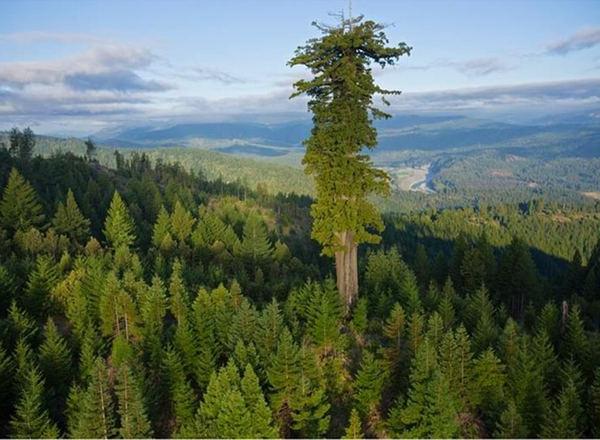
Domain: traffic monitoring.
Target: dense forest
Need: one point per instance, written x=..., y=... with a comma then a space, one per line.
x=145, y=300
x=179, y=293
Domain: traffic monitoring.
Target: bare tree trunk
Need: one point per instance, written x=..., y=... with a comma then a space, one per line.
x=346, y=268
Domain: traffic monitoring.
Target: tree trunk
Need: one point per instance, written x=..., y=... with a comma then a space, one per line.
x=346, y=268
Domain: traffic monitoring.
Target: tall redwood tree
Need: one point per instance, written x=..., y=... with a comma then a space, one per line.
x=341, y=95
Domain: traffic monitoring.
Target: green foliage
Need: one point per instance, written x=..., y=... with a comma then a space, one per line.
x=233, y=408
x=255, y=246
x=69, y=220
x=354, y=429
x=20, y=208
x=92, y=409
x=31, y=419
x=341, y=100
x=369, y=384
x=55, y=361
x=119, y=228
x=431, y=409
x=102, y=343
x=511, y=423
x=131, y=406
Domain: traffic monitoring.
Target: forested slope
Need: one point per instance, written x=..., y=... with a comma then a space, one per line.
x=146, y=301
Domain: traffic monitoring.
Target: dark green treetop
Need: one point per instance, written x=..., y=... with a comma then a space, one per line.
x=341, y=100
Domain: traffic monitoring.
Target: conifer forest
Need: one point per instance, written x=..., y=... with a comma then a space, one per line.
x=149, y=293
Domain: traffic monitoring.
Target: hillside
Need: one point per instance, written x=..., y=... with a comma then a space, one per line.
x=151, y=286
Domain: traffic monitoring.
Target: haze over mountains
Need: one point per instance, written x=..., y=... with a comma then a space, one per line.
x=571, y=134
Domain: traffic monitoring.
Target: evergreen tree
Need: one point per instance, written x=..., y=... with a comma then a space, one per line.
x=369, y=384
x=182, y=222
x=255, y=246
x=511, y=423
x=270, y=326
x=22, y=144
x=131, y=407
x=342, y=128
x=394, y=351
x=487, y=387
x=182, y=397
x=324, y=316
x=354, y=428
x=431, y=409
x=161, y=233
x=575, y=342
x=93, y=416
x=409, y=292
x=564, y=417
x=31, y=419
x=69, y=220
x=309, y=406
x=39, y=285
x=529, y=390
x=55, y=362
x=262, y=423
x=20, y=208
x=119, y=228
x=359, y=316
x=233, y=408
x=283, y=378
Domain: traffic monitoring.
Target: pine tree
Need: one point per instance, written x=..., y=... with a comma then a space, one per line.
x=431, y=409
x=20, y=208
x=270, y=326
x=324, y=316
x=22, y=144
x=233, y=408
x=31, y=419
x=161, y=232
x=69, y=220
x=256, y=247
x=354, y=428
x=565, y=416
x=119, y=228
x=94, y=415
x=181, y=394
x=204, y=330
x=359, y=316
x=182, y=222
x=178, y=295
x=511, y=423
x=310, y=407
x=55, y=362
x=369, y=384
x=409, y=292
x=131, y=407
x=487, y=386
x=529, y=389
x=283, y=378
x=344, y=177
x=90, y=149
x=575, y=344
x=20, y=324
x=39, y=285
x=262, y=422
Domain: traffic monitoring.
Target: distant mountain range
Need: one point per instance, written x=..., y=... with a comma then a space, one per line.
x=576, y=134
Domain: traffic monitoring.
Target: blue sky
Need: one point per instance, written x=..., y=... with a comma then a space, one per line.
x=81, y=66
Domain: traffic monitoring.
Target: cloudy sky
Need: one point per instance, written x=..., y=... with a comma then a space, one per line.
x=76, y=67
